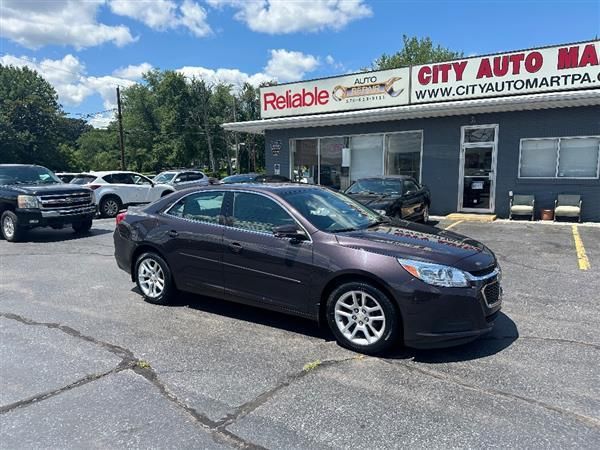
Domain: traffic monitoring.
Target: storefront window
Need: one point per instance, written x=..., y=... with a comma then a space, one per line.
x=568, y=157
x=366, y=156
x=403, y=154
x=331, y=161
x=305, y=161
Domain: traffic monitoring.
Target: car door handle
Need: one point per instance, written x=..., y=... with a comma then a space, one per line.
x=235, y=247
x=173, y=233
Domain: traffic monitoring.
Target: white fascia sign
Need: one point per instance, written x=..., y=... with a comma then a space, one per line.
x=559, y=68
x=350, y=92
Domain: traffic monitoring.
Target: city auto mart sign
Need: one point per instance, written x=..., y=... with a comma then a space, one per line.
x=566, y=67
x=356, y=91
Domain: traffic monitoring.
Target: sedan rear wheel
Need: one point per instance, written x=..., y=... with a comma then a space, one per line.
x=362, y=318
x=153, y=278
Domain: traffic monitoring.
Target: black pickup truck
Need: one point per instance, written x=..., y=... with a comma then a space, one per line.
x=32, y=196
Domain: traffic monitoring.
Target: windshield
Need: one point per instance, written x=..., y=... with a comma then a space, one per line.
x=83, y=179
x=376, y=186
x=164, y=177
x=27, y=175
x=332, y=211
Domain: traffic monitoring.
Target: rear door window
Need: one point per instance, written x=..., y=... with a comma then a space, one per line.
x=83, y=179
x=200, y=207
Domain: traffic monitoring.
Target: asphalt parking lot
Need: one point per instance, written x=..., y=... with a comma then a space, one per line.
x=85, y=362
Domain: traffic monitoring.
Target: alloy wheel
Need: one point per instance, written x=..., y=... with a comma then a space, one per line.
x=8, y=227
x=151, y=278
x=359, y=317
x=111, y=208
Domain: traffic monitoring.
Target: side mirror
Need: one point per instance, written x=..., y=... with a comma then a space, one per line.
x=290, y=232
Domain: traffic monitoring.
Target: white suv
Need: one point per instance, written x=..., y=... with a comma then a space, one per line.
x=117, y=189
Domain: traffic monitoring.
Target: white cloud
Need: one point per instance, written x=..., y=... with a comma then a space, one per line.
x=290, y=66
x=165, y=14
x=34, y=24
x=133, y=72
x=69, y=78
x=286, y=16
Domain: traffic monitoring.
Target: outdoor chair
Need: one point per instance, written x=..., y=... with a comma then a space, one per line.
x=568, y=206
x=522, y=205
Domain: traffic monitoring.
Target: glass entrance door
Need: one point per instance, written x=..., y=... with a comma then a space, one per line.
x=477, y=182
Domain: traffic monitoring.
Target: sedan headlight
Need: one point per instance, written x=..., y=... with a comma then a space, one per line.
x=435, y=274
x=27, y=201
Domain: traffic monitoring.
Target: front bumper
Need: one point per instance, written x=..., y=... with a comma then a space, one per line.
x=32, y=218
x=445, y=317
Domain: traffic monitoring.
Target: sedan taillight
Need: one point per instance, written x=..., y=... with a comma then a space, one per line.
x=121, y=217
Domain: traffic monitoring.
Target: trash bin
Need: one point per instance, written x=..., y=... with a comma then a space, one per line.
x=547, y=214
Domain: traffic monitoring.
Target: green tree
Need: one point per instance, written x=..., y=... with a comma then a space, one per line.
x=29, y=115
x=415, y=51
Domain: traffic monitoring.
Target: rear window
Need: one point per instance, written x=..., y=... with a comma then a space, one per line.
x=83, y=179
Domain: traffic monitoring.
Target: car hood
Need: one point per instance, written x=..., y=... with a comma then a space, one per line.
x=402, y=239
x=48, y=189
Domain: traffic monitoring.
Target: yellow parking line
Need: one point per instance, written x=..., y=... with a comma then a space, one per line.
x=582, y=259
x=453, y=224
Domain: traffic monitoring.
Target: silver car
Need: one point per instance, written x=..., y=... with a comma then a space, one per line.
x=182, y=179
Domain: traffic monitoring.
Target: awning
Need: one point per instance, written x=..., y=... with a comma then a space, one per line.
x=590, y=97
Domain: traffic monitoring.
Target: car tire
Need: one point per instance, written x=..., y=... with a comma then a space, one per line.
x=153, y=279
x=83, y=226
x=356, y=310
x=110, y=205
x=9, y=227
x=425, y=215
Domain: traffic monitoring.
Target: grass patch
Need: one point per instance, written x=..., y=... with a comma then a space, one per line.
x=143, y=364
x=311, y=365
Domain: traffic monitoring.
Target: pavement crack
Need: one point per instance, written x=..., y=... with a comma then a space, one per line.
x=140, y=367
x=248, y=407
x=82, y=381
x=590, y=421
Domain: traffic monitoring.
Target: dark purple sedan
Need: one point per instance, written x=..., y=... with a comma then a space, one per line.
x=315, y=253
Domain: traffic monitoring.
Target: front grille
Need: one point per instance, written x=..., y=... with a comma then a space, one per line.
x=483, y=272
x=65, y=202
x=491, y=293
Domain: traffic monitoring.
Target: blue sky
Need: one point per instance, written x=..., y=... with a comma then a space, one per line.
x=86, y=48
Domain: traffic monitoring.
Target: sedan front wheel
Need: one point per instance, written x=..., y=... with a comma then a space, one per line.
x=362, y=318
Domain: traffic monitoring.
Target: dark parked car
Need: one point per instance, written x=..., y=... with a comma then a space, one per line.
x=32, y=196
x=255, y=178
x=316, y=253
x=395, y=196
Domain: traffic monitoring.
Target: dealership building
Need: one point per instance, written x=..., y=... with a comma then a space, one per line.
x=475, y=130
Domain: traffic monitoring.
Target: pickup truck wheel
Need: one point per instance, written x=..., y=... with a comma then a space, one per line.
x=10, y=226
x=153, y=278
x=110, y=206
x=83, y=226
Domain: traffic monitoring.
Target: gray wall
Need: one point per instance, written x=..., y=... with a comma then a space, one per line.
x=441, y=145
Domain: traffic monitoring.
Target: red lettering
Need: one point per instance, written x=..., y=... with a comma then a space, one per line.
x=589, y=56
x=424, y=75
x=281, y=102
x=296, y=101
x=516, y=61
x=459, y=69
x=269, y=99
x=485, y=69
x=500, y=66
x=310, y=95
x=323, y=97
x=568, y=58
x=534, y=62
x=444, y=68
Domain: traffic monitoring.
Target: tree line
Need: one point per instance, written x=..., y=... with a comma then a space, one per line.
x=169, y=121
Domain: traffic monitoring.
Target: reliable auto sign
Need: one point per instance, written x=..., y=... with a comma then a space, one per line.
x=357, y=91
x=567, y=67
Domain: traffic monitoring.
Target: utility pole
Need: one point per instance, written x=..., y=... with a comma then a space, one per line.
x=121, y=140
x=236, y=140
